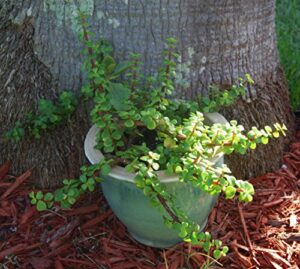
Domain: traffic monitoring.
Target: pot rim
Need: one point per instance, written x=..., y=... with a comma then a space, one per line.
x=94, y=155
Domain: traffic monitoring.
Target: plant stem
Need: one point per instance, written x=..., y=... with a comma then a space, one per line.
x=163, y=202
x=91, y=53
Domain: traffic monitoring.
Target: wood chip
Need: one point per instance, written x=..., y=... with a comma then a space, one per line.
x=16, y=184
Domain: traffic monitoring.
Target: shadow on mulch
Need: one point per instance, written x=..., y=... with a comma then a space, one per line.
x=262, y=234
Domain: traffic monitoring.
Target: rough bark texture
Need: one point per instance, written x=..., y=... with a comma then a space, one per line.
x=271, y=105
x=219, y=41
x=24, y=79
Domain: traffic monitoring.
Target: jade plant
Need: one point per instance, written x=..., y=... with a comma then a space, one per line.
x=145, y=130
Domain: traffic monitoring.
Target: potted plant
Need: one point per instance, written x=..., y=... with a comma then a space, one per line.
x=144, y=222
x=148, y=149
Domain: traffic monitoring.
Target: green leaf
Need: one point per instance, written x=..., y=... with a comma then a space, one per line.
x=252, y=145
x=264, y=140
x=105, y=169
x=59, y=195
x=217, y=254
x=41, y=206
x=83, y=178
x=91, y=187
x=169, y=143
x=218, y=243
x=91, y=181
x=129, y=123
x=109, y=64
x=71, y=192
x=121, y=68
x=276, y=134
x=33, y=201
x=65, y=204
x=117, y=134
x=155, y=166
x=39, y=195
x=206, y=246
x=225, y=249
x=118, y=96
x=245, y=197
x=46, y=107
x=151, y=125
x=108, y=149
x=178, y=169
x=233, y=122
x=71, y=200
x=183, y=233
x=120, y=143
x=48, y=196
x=98, y=179
x=268, y=129
x=228, y=150
x=84, y=187
x=249, y=78
x=230, y=192
x=154, y=155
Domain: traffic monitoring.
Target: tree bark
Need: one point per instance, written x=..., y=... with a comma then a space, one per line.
x=219, y=41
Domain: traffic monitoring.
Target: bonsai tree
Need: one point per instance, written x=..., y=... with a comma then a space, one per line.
x=143, y=129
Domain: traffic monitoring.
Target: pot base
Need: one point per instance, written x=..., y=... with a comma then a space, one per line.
x=160, y=244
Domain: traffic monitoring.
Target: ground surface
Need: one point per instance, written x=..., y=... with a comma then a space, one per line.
x=263, y=234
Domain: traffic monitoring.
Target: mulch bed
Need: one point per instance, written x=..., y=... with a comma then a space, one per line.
x=262, y=234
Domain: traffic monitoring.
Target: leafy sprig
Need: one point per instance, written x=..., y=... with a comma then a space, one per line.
x=48, y=115
x=217, y=99
x=72, y=188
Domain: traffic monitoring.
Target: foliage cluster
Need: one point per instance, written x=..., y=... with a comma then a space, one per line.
x=48, y=115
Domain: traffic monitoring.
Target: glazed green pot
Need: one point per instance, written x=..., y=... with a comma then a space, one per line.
x=144, y=222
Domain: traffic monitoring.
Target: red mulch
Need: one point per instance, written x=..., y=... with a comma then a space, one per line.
x=262, y=234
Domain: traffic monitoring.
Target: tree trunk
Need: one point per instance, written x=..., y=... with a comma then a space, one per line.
x=219, y=41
